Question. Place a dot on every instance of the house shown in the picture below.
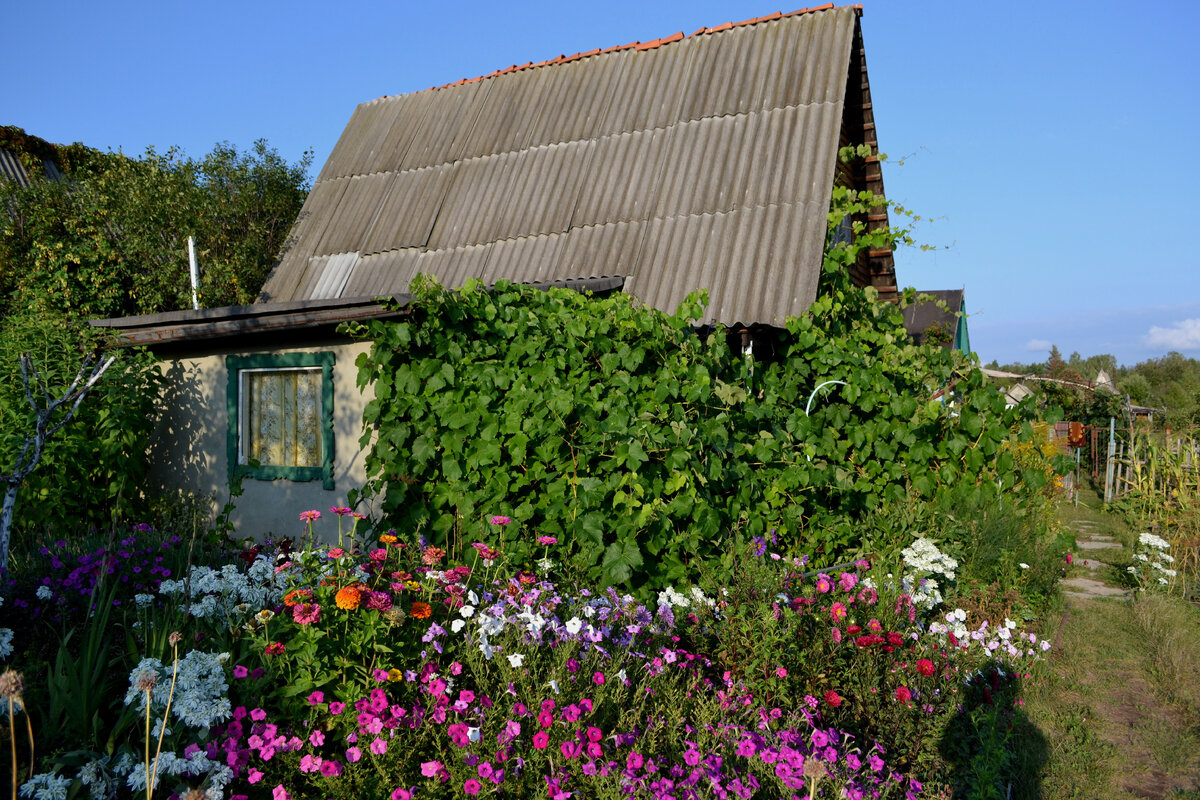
(939, 317)
(653, 168)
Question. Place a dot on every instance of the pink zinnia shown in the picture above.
(378, 555)
(847, 581)
(838, 611)
(309, 516)
(547, 540)
(336, 552)
(824, 583)
(500, 520)
(306, 613)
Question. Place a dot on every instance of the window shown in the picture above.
(281, 416)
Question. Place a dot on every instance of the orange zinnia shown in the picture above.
(387, 538)
(348, 598)
(296, 596)
(421, 610)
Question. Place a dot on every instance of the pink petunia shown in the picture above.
(254, 776)
(378, 746)
(598, 678)
(280, 793)
(431, 768)
(471, 786)
(336, 708)
(541, 739)
(353, 755)
(240, 672)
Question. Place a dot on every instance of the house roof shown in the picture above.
(924, 314)
(701, 161)
(202, 327)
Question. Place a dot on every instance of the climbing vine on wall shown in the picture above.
(645, 446)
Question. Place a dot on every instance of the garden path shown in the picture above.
(1118, 729)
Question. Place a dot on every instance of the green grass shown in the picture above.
(1119, 699)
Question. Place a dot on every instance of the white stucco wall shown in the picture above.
(188, 451)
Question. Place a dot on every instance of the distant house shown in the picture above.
(653, 168)
(940, 318)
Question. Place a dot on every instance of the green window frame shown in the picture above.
(236, 400)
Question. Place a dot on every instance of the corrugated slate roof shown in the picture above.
(702, 161)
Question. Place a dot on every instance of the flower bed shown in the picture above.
(392, 669)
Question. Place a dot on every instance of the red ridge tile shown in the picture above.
(639, 46)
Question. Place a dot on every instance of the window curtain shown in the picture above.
(284, 414)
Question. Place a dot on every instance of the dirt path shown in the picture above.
(1116, 730)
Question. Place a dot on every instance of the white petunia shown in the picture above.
(516, 660)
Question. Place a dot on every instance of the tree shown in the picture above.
(111, 239)
(50, 415)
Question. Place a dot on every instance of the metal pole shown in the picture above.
(195, 270)
(1078, 450)
(1112, 451)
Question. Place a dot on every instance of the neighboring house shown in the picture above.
(939, 320)
(654, 168)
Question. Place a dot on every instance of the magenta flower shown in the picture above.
(547, 540)
(431, 768)
(380, 674)
(316, 698)
(847, 581)
(306, 613)
(240, 672)
(500, 520)
(339, 510)
(400, 793)
(541, 739)
(336, 708)
(378, 555)
(598, 678)
(331, 769)
(781, 672)
(471, 786)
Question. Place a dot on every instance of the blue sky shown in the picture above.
(1048, 147)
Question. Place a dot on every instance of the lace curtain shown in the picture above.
(284, 417)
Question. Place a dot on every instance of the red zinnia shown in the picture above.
(274, 648)
(833, 698)
(925, 666)
(903, 695)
